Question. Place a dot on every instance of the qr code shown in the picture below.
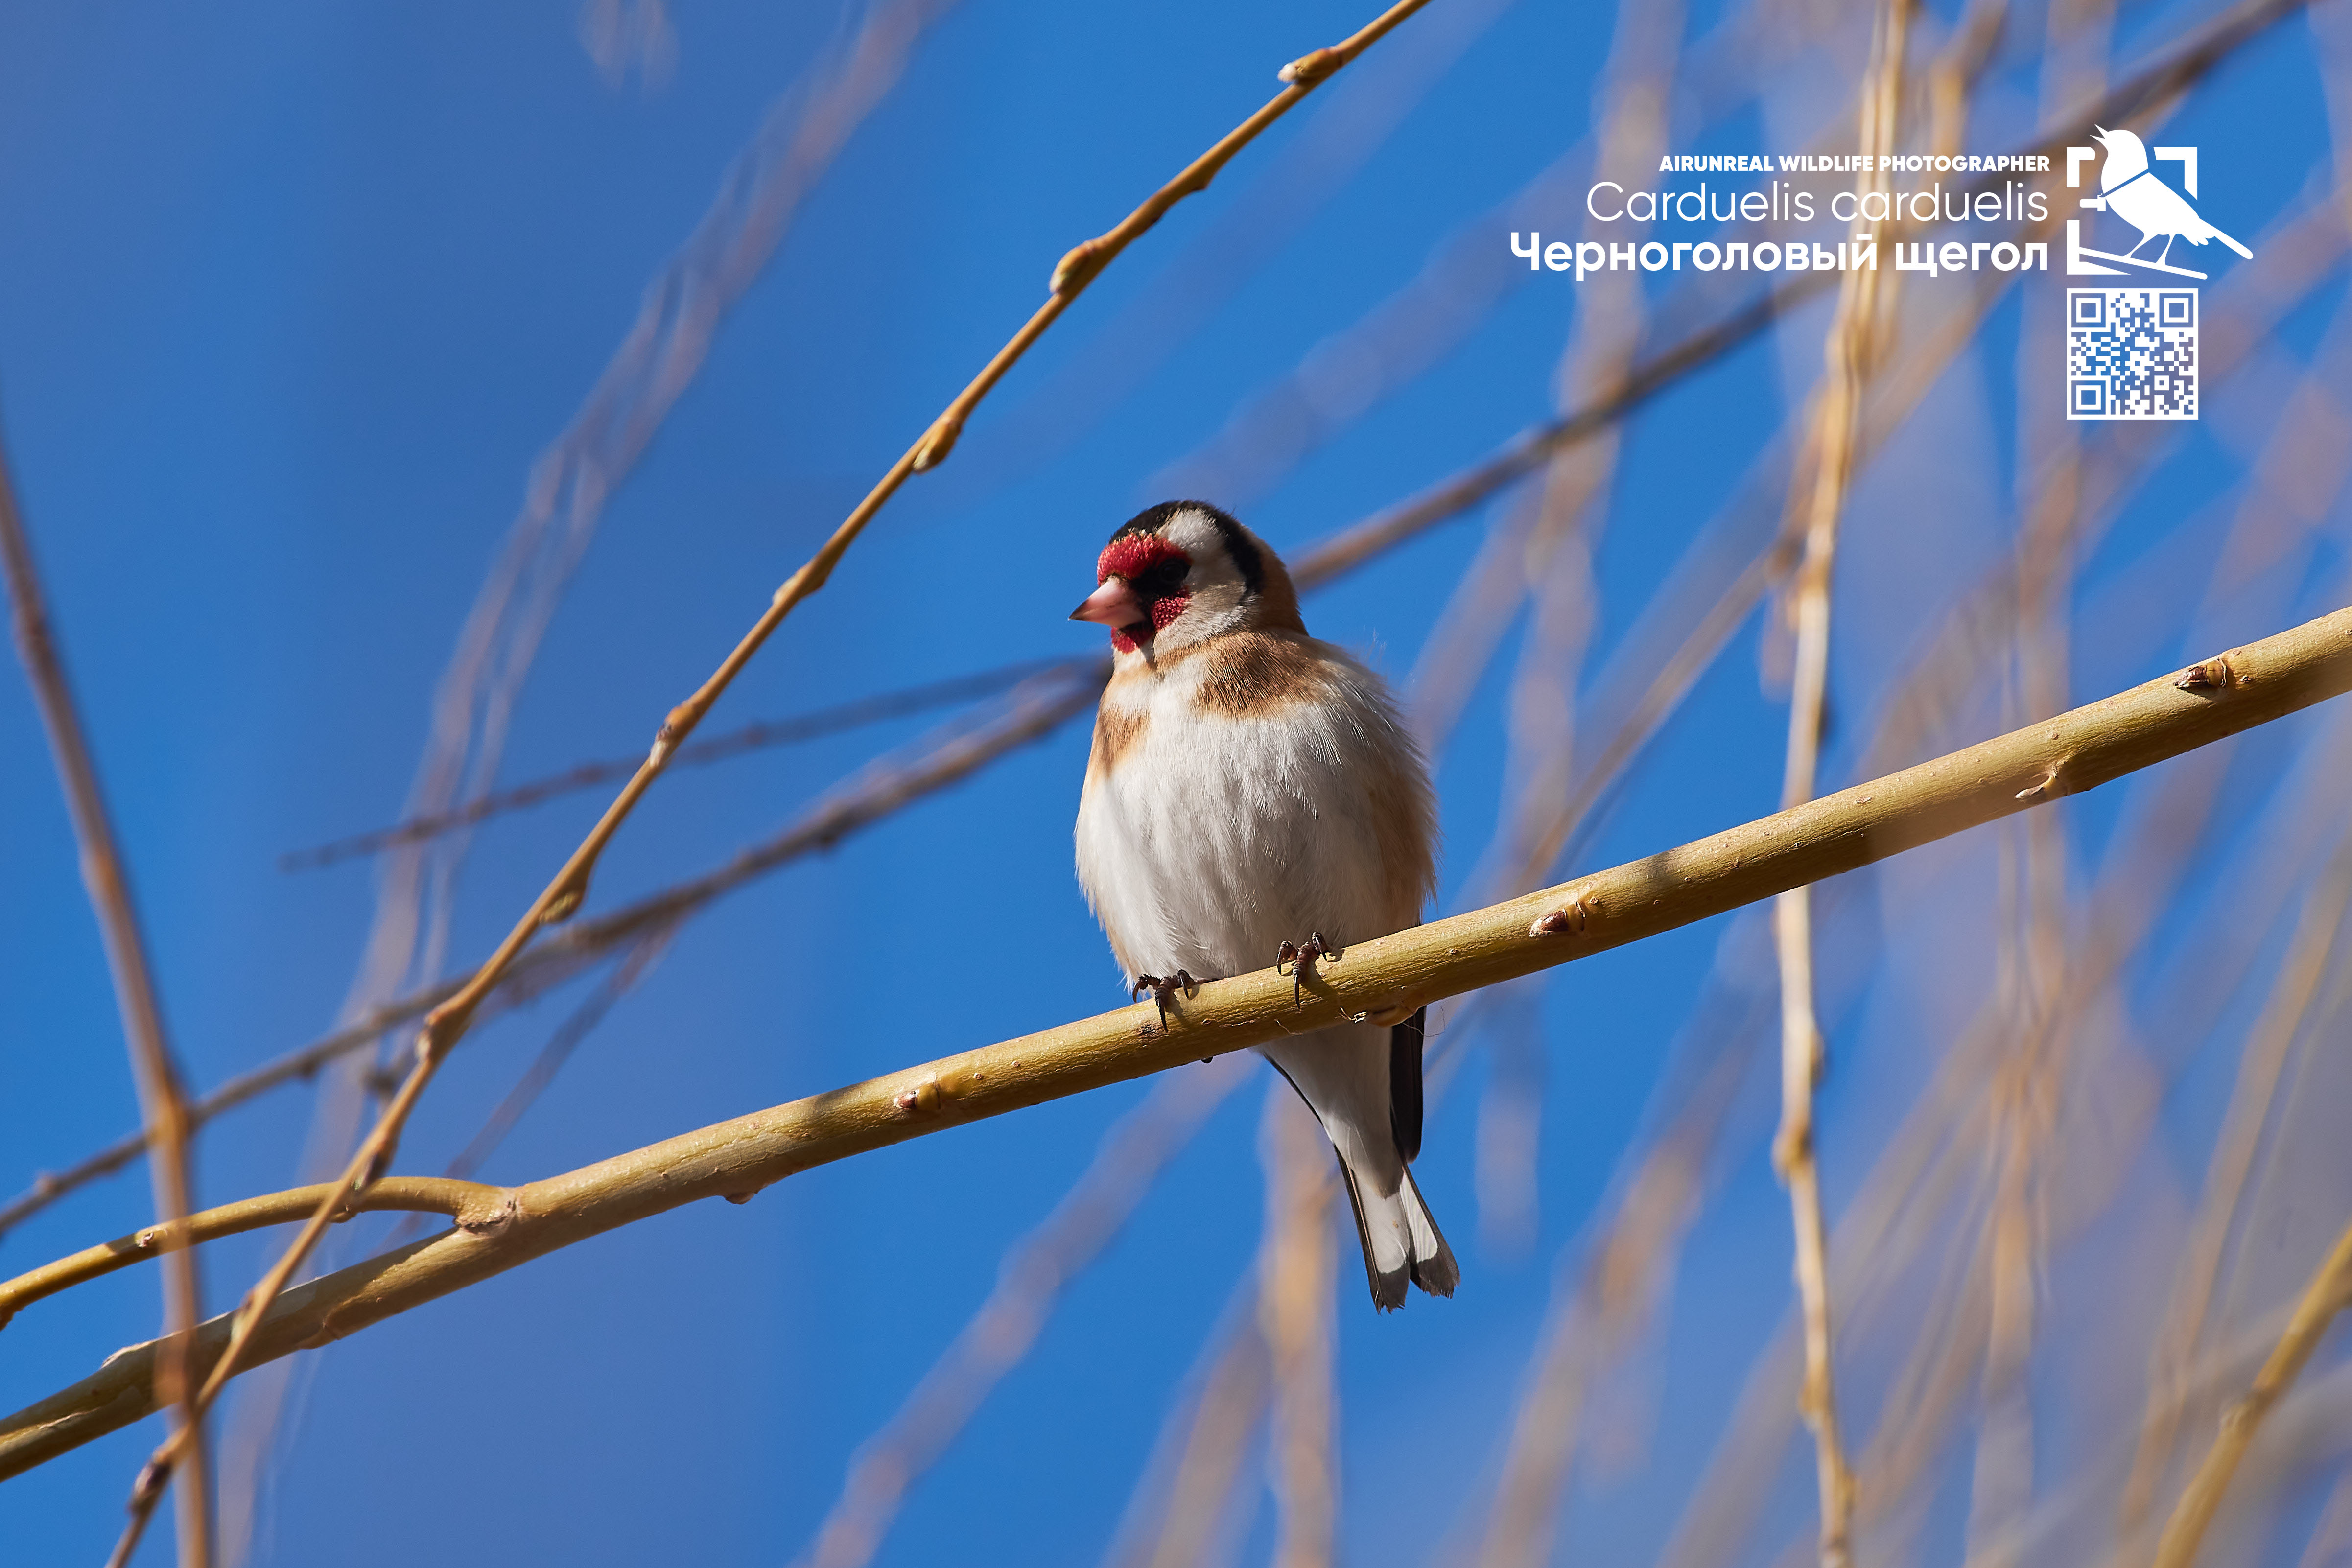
(2131, 353)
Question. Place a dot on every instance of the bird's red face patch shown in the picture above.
(1134, 557)
(1155, 569)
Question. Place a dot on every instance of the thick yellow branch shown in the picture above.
(2073, 752)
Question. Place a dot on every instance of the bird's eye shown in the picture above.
(1163, 576)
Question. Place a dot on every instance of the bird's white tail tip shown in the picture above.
(1433, 1268)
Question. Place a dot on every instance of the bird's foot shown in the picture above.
(1299, 956)
(1163, 986)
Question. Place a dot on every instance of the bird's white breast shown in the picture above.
(1208, 835)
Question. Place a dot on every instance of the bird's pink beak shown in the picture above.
(1114, 604)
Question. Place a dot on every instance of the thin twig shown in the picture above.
(1849, 352)
(632, 969)
(162, 1097)
(767, 733)
(465, 1201)
(2330, 1293)
(561, 897)
(2073, 752)
(578, 1025)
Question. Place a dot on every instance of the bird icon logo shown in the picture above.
(2130, 188)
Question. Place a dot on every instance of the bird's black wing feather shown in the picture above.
(1405, 1084)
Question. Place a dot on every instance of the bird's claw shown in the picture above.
(1163, 986)
(1299, 956)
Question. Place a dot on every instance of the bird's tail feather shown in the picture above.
(2233, 244)
(1433, 1268)
(1400, 1241)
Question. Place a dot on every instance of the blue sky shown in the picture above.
(291, 298)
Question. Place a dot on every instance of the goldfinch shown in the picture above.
(1253, 797)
